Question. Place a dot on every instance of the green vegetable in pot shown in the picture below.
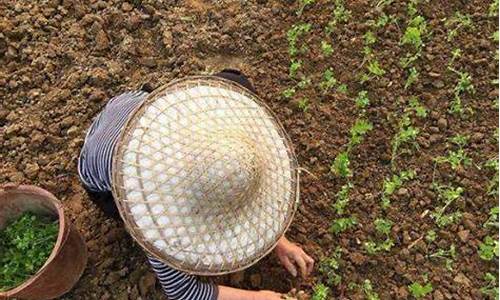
(25, 245)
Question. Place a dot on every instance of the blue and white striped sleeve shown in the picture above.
(178, 285)
(94, 168)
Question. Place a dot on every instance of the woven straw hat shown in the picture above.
(204, 176)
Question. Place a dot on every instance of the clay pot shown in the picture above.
(68, 259)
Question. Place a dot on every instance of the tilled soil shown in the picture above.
(60, 61)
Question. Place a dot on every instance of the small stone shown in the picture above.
(112, 278)
(434, 74)
(403, 192)
(31, 170)
(255, 280)
(167, 38)
(101, 40)
(72, 130)
(442, 123)
(402, 292)
(127, 7)
(438, 84)
(97, 96)
(464, 235)
(357, 258)
(477, 137)
(146, 283)
(437, 295)
(433, 129)
(419, 258)
(462, 280)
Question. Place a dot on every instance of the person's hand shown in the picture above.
(270, 295)
(292, 256)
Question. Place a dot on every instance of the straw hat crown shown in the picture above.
(204, 176)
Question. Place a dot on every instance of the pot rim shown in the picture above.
(61, 236)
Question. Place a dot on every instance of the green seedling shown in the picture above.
(302, 5)
(414, 33)
(320, 292)
(447, 255)
(329, 267)
(342, 88)
(340, 166)
(464, 84)
(383, 226)
(430, 236)
(375, 69)
(368, 290)
(393, 184)
(492, 220)
(360, 128)
(406, 134)
(419, 291)
(412, 7)
(457, 22)
(295, 65)
(419, 109)
(458, 157)
(303, 83)
(340, 15)
(383, 3)
(448, 195)
(495, 37)
(326, 48)
(25, 245)
(293, 35)
(369, 38)
(289, 92)
(488, 249)
(406, 61)
(328, 81)
(460, 140)
(342, 224)
(362, 99)
(492, 164)
(455, 54)
(412, 77)
(491, 288)
(493, 9)
(303, 104)
(342, 198)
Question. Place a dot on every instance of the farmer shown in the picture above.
(223, 193)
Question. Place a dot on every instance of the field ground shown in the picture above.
(427, 126)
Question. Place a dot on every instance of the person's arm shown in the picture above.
(228, 293)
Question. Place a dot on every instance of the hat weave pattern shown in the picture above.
(204, 176)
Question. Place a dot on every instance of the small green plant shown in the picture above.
(419, 109)
(488, 249)
(492, 220)
(406, 134)
(383, 226)
(430, 236)
(303, 104)
(447, 255)
(342, 88)
(492, 164)
(394, 183)
(416, 29)
(328, 81)
(25, 245)
(493, 9)
(369, 38)
(458, 157)
(491, 287)
(412, 77)
(329, 267)
(455, 54)
(362, 99)
(293, 35)
(375, 69)
(326, 48)
(340, 15)
(304, 82)
(418, 291)
(302, 5)
(342, 198)
(368, 290)
(457, 22)
(342, 224)
(289, 92)
(412, 7)
(360, 128)
(448, 195)
(295, 65)
(340, 166)
(320, 292)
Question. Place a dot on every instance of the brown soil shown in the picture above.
(60, 60)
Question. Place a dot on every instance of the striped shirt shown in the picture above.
(94, 169)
